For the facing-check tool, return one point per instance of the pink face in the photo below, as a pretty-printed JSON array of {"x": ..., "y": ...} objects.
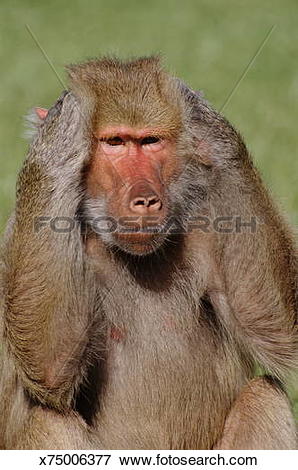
[{"x": 131, "y": 168}]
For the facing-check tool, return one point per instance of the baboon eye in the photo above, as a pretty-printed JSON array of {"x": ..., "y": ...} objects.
[
  {"x": 114, "y": 141},
  {"x": 149, "y": 140}
]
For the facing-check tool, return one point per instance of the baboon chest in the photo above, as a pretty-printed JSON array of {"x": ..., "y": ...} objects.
[{"x": 160, "y": 355}]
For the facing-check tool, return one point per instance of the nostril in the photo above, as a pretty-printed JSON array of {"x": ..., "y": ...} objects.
[
  {"x": 154, "y": 203},
  {"x": 139, "y": 201},
  {"x": 146, "y": 204}
]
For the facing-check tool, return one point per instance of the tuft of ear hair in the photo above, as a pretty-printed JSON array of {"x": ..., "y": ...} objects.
[{"x": 32, "y": 122}]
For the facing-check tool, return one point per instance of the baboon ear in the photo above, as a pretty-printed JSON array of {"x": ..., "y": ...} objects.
[{"x": 41, "y": 113}]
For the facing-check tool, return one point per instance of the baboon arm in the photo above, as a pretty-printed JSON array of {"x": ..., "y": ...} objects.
[
  {"x": 48, "y": 290},
  {"x": 257, "y": 295},
  {"x": 259, "y": 269},
  {"x": 260, "y": 418}
]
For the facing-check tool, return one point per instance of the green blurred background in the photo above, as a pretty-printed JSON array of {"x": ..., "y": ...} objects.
[{"x": 206, "y": 43}]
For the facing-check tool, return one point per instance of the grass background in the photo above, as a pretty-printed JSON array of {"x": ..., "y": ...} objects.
[{"x": 207, "y": 44}]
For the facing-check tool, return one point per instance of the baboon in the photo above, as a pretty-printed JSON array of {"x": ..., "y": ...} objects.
[{"x": 146, "y": 276}]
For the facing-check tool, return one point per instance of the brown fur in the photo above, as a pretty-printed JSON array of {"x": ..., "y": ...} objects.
[
  {"x": 110, "y": 84},
  {"x": 103, "y": 348}
]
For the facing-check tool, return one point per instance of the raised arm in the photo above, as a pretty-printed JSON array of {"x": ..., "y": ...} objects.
[
  {"x": 254, "y": 283},
  {"x": 49, "y": 290}
]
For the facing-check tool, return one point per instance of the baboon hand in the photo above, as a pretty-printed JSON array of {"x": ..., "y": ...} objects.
[{"x": 61, "y": 138}]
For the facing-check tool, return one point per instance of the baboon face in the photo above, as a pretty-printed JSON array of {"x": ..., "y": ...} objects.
[
  {"x": 138, "y": 127},
  {"x": 130, "y": 174}
]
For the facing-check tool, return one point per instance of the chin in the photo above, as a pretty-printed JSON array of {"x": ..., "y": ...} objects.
[{"x": 138, "y": 244}]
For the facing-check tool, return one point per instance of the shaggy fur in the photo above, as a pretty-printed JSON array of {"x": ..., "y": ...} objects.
[{"x": 104, "y": 349}]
